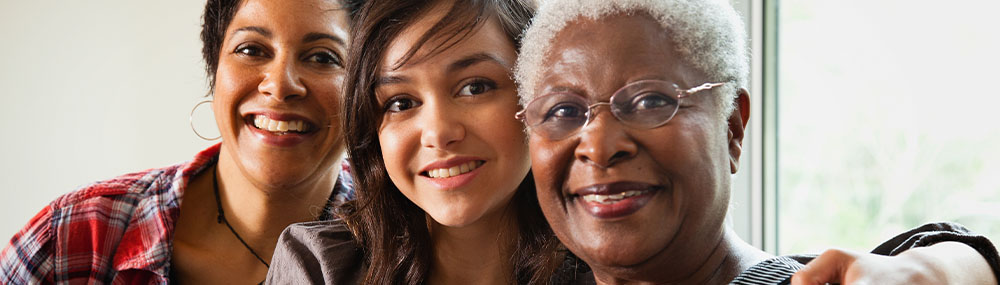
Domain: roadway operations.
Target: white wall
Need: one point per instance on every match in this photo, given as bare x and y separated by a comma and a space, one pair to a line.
91, 90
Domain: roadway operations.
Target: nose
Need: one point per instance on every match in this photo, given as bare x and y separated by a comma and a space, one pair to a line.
441, 128
282, 80
604, 142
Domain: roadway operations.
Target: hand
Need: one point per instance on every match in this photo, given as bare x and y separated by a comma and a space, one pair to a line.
847, 267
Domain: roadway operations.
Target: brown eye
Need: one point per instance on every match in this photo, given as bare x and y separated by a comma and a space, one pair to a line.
400, 103
250, 50
476, 87
564, 111
651, 101
325, 58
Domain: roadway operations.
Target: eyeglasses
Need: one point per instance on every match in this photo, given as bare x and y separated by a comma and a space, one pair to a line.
643, 104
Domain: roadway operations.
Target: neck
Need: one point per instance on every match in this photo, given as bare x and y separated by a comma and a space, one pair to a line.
728, 256
478, 253
258, 213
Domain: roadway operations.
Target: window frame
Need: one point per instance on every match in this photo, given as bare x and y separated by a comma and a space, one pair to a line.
754, 211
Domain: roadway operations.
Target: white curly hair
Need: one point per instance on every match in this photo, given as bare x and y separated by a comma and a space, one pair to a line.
708, 35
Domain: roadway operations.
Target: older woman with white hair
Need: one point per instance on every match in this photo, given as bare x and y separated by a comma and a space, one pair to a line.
634, 138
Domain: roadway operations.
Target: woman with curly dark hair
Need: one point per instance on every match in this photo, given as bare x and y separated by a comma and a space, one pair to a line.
276, 72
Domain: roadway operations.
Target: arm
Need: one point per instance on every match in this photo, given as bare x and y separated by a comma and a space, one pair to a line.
28, 258
931, 253
941, 263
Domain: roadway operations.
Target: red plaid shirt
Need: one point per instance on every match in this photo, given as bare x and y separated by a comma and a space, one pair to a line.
117, 231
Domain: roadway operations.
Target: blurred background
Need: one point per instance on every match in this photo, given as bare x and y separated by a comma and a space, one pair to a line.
883, 111
92, 90
887, 118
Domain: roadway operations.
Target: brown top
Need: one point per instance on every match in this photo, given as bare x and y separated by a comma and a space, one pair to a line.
321, 252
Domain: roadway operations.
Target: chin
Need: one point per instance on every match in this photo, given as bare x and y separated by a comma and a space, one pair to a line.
618, 254
283, 178
454, 219
623, 244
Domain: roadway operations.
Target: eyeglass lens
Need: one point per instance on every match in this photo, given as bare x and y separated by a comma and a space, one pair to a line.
644, 104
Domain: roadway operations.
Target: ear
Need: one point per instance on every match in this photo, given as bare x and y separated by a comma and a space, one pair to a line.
737, 125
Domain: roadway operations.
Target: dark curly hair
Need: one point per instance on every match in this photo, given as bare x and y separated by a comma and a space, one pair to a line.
215, 21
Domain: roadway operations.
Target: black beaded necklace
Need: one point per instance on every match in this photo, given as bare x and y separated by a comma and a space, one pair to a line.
325, 214
222, 217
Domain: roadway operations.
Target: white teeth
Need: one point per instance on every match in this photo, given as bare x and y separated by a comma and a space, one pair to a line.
612, 198
454, 170
264, 123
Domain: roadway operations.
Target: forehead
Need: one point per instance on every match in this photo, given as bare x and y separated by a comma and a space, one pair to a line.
293, 17
487, 37
598, 56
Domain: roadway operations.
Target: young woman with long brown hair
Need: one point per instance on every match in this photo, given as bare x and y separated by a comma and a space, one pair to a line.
444, 193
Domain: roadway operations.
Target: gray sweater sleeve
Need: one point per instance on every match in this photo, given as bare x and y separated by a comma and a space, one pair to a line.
321, 252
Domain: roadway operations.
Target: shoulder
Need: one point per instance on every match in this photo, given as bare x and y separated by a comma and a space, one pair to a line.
776, 270
319, 231
317, 252
120, 223
166, 182
132, 185
90, 221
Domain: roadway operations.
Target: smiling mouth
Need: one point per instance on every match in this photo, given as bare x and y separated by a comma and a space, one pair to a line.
612, 198
454, 170
278, 127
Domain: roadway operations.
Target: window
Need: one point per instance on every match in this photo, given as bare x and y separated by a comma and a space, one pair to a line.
886, 118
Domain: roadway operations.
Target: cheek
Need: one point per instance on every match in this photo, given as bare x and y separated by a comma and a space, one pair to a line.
329, 91
495, 123
232, 84
549, 163
510, 141
396, 143
549, 170
329, 97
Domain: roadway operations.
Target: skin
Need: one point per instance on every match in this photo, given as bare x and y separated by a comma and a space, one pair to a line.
268, 65
678, 236
456, 104
942, 263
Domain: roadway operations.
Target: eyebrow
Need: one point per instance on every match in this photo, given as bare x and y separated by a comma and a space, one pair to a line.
455, 66
310, 37
391, 79
259, 30
473, 59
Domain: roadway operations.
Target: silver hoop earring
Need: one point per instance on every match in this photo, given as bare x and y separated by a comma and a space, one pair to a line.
191, 122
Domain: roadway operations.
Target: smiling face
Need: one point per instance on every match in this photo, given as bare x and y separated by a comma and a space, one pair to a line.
630, 201
448, 133
277, 91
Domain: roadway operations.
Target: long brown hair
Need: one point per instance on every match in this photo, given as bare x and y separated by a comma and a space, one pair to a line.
392, 229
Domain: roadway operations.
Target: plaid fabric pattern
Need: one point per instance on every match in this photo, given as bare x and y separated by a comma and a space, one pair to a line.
117, 231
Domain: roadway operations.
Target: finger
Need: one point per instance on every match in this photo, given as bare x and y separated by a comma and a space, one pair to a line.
829, 267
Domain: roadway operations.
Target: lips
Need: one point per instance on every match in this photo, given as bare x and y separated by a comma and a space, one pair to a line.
283, 130
614, 200
280, 127
452, 173
446, 172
